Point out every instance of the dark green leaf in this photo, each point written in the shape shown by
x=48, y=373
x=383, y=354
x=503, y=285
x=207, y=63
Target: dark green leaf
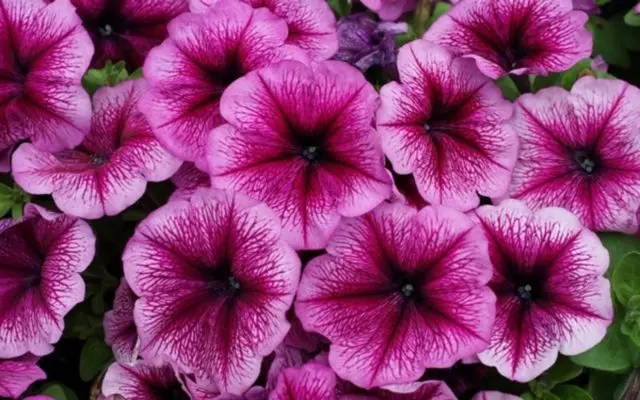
x=626, y=278
x=5, y=207
x=81, y=323
x=602, y=384
x=341, y=8
x=136, y=74
x=509, y=89
x=17, y=210
x=93, y=80
x=632, y=18
x=571, y=392
x=59, y=392
x=618, y=245
x=562, y=371
x=95, y=355
x=607, y=40
x=439, y=10
x=5, y=190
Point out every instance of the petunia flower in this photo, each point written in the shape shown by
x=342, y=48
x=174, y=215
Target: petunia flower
x=580, y=150
x=517, y=37
x=5, y=159
x=209, y=391
x=599, y=64
x=41, y=257
x=44, y=51
x=301, y=139
x=492, y=395
x=143, y=382
x=16, y=375
x=125, y=30
x=109, y=171
x=400, y=290
x=552, y=296
x=364, y=42
x=311, y=23
x=588, y=6
x=215, y=281
x=447, y=124
x=187, y=180
x=119, y=327
x=190, y=70
x=390, y=10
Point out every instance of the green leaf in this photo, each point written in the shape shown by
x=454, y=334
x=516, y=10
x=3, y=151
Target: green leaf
x=602, y=384
x=566, y=79
x=631, y=325
x=341, y=8
x=632, y=18
x=509, y=89
x=5, y=190
x=136, y=74
x=626, y=278
x=95, y=355
x=528, y=396
x=81, y=323
x=5, y=207
x=17, y=210
x=618, y=245
x=571, y=392
x=59, y=392
x=562, y=371
x=615, y=353
x=607, y=40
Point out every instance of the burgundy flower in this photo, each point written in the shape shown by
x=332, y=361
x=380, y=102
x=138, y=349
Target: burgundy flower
x=143, y=382
x=16, y=375
x=365, y=42
x=300, y=139
x=119, y=327
x=41, y=257
x=109, y=171
x=214, y=281
x=552, y=296
x=187, y=180
x=209, y=391
x=494, y=396
x=517, y=37
x=588, y=6
x=311, y=23
x=127, y=29
x=446, y=123
x=203, y=55
x=581, y=151
x=5, y=159
x=400, y=290
x=390, y=10
x=44, y=51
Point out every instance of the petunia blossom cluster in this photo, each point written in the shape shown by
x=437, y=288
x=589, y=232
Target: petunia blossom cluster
x=327, y=238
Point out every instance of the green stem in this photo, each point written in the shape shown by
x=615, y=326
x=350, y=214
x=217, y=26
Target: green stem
x=522, y=82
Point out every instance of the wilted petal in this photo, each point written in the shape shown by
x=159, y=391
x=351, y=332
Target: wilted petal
x=126, y=30
x=142, y=382
x=399, y=291
x=109, y=171
x=214, y=281
x=519, y=37
x=41, y=258
x=119, y=328
x=446, y=124
x=581, y=151
x=16, y=375
x=300, y=139
x=190, y=70
x=552, y=296
x=44, y=51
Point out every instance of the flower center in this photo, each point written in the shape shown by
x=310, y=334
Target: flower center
x=525, y=292
x=585, y=160
x=233, y=283
x=407, y=290
x=105, y=30
x=426, y=127
x=99, y=159
x=311, y=154
x=174, y=392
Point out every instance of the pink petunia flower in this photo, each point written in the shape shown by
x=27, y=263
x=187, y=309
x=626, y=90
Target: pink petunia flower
x=491, y=395
x=311, y=23
x=215, y=281
x=390, y=10
x=204, y=54
x=127, y=29
x=143, y=382
x=119, y=327
x=300, y=139
x=315, y=381
x=16, y=375
x=44, y=51
x=209, y=391
x=187, y=180
x=580, y=150
x=517, y=37
x=446, y=124
x=41, y=257
x=552, y=296
x=400, y=290
x=109, y=171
